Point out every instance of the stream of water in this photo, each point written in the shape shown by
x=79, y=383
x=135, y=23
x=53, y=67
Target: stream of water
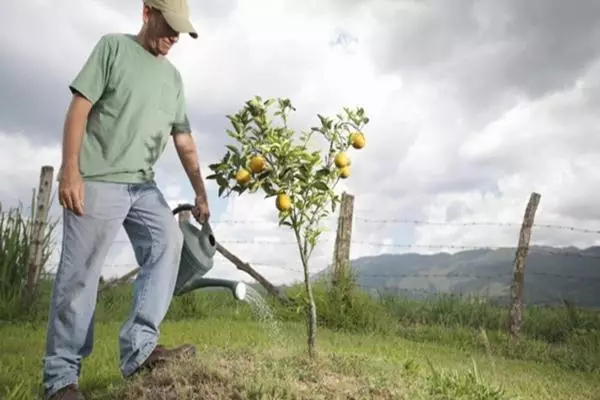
x=264, y=314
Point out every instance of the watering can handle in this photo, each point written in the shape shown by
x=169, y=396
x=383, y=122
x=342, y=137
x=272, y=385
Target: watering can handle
x=182, y=207
x=186, y=207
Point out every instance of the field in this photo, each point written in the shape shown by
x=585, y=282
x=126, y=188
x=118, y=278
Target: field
x=368, y=349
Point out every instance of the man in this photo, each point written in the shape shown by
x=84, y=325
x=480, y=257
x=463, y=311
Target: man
x=128, y=99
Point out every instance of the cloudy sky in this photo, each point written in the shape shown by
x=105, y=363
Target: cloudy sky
x=473, y=105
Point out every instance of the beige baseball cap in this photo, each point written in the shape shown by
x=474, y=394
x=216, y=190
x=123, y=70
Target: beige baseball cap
x=176, y=13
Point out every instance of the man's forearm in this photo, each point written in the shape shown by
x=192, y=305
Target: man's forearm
x=73, y=131
x=188, y=156
x=197, y=182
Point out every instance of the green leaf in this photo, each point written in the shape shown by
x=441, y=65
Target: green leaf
x=321, y=186
x=232, y=134
x=233, y=149
x=322, y=172
x=254, y=187
x=221, y=181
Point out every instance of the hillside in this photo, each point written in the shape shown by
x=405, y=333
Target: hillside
x=552, y=274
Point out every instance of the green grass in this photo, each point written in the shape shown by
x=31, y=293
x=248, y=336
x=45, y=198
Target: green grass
x=15, y=244
x=238, y=357
x=566, y=337
x=370, y=348
x=449, y=349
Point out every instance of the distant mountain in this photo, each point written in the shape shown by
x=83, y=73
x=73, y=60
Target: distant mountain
x=551, y=274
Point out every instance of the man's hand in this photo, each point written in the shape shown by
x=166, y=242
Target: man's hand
x=70, y=190
x=201, y=212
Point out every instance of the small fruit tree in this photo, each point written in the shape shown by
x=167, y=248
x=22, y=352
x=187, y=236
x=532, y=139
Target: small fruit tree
x=269, y=156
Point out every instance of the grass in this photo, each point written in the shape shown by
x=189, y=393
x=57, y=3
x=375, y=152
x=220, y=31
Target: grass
x=15, y=243
x=237, y=360
x=369, y=348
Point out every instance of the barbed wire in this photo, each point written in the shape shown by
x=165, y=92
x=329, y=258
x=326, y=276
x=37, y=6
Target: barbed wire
x=473, y=223
x=401, y=221
x=538, y=249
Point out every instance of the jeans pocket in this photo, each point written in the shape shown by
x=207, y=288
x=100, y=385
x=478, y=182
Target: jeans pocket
x=105, y=201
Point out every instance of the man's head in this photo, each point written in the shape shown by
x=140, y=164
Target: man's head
x=164, y=20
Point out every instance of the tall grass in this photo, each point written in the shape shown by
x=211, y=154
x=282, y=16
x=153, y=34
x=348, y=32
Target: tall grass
x=561, y=335
x=16, y=241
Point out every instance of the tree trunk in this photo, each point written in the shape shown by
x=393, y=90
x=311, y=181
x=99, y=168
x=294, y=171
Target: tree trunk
x=311, y=314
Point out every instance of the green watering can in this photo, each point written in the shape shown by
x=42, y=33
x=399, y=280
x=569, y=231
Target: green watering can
x=197, y=258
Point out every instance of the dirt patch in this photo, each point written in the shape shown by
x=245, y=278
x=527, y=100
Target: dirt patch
x=245, y=376
x=184, y=381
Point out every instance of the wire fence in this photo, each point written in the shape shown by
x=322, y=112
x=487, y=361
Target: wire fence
x=552, y=271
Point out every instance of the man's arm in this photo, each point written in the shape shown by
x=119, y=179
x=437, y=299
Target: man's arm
x=74, y=127
x=87, y=88
x=186, y=149
x=71, y=185
x=188, y=155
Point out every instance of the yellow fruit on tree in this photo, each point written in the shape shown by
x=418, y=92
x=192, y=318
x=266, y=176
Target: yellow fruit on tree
x=345, y=172
x=358, y=140
x=242, y=176
x=257, y=164
x=283, y=202
x=341, y=160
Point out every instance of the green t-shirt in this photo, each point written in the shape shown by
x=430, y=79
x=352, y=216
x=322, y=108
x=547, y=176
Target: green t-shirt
x=138, y=101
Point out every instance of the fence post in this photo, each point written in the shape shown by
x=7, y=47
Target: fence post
x=341, y=251
x=517, y=288
x=38, y=231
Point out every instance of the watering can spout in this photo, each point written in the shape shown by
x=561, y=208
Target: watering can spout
x=238, y=289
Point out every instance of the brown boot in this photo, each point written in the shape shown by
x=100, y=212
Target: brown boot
x=70, y=392
x=161, y=355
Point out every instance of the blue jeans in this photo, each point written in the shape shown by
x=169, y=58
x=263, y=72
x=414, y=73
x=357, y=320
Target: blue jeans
x=157, y=241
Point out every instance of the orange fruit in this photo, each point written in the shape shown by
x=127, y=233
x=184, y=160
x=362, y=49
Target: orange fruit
x=242, y=176
x=345, y=172
x=341, y=160
x=283, y=202
x=358, y=140
x=257, y=164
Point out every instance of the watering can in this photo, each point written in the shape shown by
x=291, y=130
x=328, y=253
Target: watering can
x=197, y=258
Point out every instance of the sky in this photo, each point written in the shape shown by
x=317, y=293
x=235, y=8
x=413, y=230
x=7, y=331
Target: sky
x=473, y=105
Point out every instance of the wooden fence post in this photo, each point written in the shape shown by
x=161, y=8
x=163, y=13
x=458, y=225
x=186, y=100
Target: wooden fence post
x=341, y=251
x=517, y=289
x=38, y=231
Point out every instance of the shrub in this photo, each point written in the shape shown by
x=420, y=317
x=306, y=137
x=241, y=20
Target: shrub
x=15, y=244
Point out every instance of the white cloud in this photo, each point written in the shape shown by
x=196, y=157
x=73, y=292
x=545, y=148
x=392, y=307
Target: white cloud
x=20, y=163
x=456, y=134
x=545, y=146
